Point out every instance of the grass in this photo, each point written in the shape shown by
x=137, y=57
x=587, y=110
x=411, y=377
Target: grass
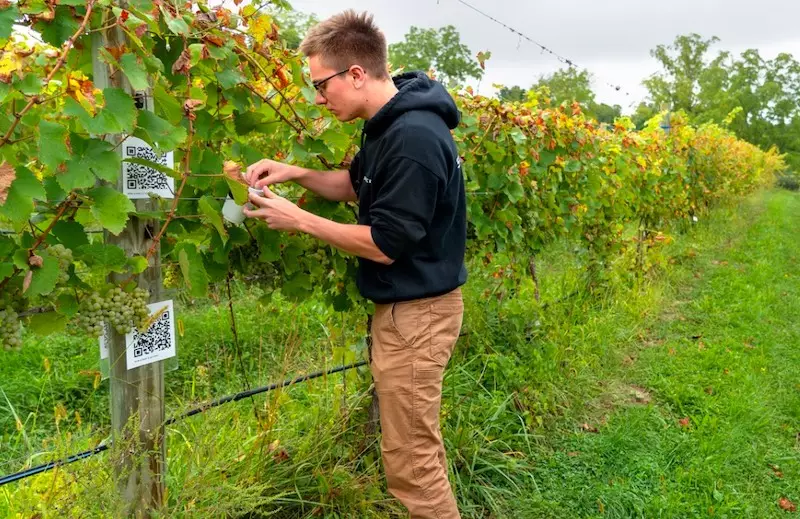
x=675, y=399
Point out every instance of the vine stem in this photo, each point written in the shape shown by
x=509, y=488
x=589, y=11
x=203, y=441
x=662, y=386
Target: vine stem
x=61, y=210
x=60, y=63
x=269, y=103
x=184, y=176
x=242, y=52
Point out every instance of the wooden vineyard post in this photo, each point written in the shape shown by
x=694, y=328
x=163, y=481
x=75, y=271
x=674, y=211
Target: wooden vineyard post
x=137, y=395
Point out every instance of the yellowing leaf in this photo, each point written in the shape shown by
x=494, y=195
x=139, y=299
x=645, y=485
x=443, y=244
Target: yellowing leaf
x=260, y=27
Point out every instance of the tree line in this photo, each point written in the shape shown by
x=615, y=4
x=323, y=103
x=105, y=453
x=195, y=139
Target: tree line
x=758, y=98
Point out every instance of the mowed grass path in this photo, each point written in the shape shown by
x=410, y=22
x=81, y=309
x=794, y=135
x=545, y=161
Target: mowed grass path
x=702, y=416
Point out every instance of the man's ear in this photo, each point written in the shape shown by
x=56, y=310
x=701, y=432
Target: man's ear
x=358, y=75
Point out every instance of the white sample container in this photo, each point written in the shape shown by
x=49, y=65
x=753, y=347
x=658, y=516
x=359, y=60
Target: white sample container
x=233, y=212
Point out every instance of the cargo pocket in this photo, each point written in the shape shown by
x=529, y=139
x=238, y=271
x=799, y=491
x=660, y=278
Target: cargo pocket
x=446, y=320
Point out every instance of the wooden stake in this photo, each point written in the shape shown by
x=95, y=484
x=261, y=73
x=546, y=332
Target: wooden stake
x=137, y=395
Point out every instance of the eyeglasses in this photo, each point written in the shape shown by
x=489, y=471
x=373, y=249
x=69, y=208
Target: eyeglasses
x=317, y=84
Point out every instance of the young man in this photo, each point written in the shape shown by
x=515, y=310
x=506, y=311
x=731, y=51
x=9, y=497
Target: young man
x=410, y=239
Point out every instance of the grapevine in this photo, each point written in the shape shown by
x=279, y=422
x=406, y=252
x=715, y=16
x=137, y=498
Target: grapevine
x=121, y=310
x=227, y=91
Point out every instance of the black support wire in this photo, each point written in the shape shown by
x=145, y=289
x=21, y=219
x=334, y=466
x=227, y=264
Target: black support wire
x=11, y=478
x=559, y=57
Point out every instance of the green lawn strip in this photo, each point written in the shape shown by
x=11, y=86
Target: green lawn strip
x=703, y=414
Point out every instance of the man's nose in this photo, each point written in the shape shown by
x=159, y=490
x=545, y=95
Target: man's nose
x=320, y=99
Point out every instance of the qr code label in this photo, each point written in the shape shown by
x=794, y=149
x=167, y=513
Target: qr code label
x=105, y=341
x=158, y=342
x=140, y=181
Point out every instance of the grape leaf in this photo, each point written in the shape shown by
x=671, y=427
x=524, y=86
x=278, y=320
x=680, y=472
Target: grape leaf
x=44, y=278
x=546, y=157
x=30, y=85
x=134, y=71
x=238, y=190
x=111, y=208
x=138, y=264
x=210, y=210
x=58, y=30
x=102, y=257
x=297, y=286
x=194, y=271
x=52, y=144
x=67, y=304
x=6, y=269
x=169, y=106
x=89, y=156
x=118, y=116
x=70, y=233
x=24, y=189
x=514, y=192
x=178, y=26
x=269, y=244
x=158, y=132
x=8, y=17
x=229, y=78
x=122, y=107
x=47, y=323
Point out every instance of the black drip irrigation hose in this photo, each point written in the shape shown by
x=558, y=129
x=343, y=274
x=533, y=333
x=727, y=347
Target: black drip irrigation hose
x=11, y=478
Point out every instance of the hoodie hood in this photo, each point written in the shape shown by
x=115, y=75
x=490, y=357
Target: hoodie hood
x=416, y=91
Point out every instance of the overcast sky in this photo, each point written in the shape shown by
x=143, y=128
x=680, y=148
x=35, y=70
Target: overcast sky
x=611, y=38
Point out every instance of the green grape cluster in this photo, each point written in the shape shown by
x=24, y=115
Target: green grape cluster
x=121, y=310
x=10, y=329
x=64, y=257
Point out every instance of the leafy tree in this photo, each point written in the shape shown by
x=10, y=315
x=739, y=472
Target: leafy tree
x=515, y=93
x=606, y=113
x=568, y=85
x=644, y=112
x=767, y=92
x=684, y=70
x=710, y=90
x=294, y=25
x=439, y=49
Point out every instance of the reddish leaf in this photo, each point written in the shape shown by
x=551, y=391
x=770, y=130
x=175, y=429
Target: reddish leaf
x=684, y=422
x=117, y=52
x=214, y=40
x=283, y=79
x=7, y=176
x=26, y=283
x=182, y=64
x=233, y=170
x=588, y=428
x=787, y=505
x=191, y=104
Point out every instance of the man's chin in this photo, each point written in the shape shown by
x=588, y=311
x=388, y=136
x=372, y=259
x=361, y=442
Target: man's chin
x=342, y=117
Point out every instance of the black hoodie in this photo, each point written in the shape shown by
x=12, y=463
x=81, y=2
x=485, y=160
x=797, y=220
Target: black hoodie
x=410, y=189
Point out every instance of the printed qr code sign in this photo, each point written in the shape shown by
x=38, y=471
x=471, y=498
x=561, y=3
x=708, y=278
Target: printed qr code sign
x=157, y=343
x=105, y=341
x=140, y=181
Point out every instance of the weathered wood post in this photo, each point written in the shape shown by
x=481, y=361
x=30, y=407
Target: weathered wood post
x=137, y=395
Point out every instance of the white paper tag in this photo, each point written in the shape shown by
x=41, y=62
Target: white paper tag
x=104, y=340
x=140, y=181
x=157, y=343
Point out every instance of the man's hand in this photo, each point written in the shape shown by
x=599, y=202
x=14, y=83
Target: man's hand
x=279, y=213
x=266, y=172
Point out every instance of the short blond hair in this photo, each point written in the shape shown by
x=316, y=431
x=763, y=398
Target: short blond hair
x=346, y=39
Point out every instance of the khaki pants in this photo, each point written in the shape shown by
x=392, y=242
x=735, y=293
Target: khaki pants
x=412, y=343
